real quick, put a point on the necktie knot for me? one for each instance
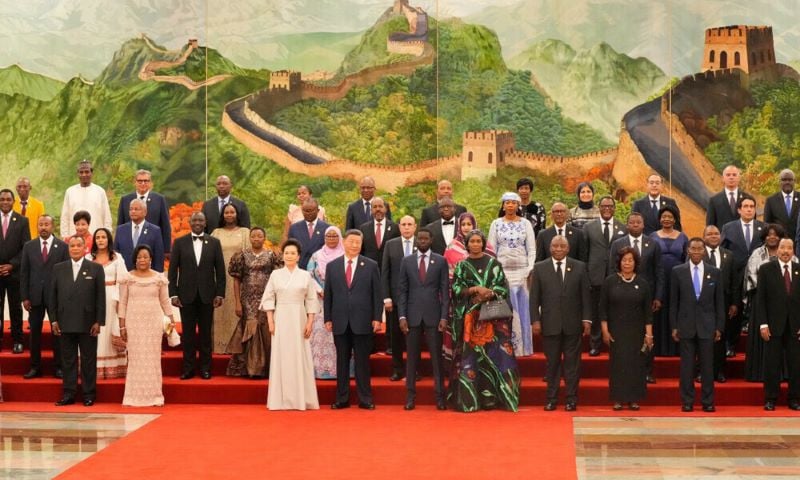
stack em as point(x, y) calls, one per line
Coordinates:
point(141, 197)
point(560, 232)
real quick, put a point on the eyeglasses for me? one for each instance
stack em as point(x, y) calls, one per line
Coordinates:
point(139, 180)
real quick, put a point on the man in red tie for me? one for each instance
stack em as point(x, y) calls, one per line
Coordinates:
point(353, 310)
point(377, 231)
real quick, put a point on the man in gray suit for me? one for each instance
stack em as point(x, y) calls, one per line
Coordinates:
point(422, 303)
point(78, 301)
point(697, 320)
point(600, 234)
point(561, 312)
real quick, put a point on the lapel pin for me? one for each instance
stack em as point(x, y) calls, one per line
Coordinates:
point(569, 269)
point(646, 245)
point(83, 273)
point(636, 287)
point(432, 261)
point(205, 241)
point(388, 228)
point(708, 277)
point(13, 219)
point(144, 232)
point(480, 270)
point(569, 232)
point(361, 264)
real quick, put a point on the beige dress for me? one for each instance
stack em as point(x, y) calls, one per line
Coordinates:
point(225, 319)
point(292, 295)
point(143, 302)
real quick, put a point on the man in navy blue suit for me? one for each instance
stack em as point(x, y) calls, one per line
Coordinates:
point(422, 304)
point(360, 211)
point(310, 231)
point(353, 310)
point(157, 207)
point(137, 232)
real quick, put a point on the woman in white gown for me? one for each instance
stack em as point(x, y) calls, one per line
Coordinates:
point(290, 301)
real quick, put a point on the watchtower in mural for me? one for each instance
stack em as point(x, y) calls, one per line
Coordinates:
point(284, 79)
point(483, 151)
point(749, 48)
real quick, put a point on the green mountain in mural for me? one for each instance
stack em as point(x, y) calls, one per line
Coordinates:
point(371, 50)
point(198, 68)
point(16, 80)
point(128, 61)
point(596, 86)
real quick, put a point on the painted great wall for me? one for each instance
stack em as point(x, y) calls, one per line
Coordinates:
point(149, 69)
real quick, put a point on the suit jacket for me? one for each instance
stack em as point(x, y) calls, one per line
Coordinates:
point(431, 213)
point(645, 207)
point(423, 303)
point(438, 243)
point(733, 240)
point(78, 304)
point(719, 209)
point(309, 245)
point(599, 246)
point(150, 236)
point(355, 216)
point(187, 279)
point(692, 316)
point(578, 248)
point(36, 276)
point(11, 244)
point(561, 307)
point(157, 214)
point(360, 304)
point(211, 211)
point(33, 210)
point(649, 264)
point(732, 289)
point(369, 247)
point(393, 254)
point(774, 306)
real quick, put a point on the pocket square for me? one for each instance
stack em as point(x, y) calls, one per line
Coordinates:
point(89, 277)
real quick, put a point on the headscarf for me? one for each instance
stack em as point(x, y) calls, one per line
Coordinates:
point(460, 236)
point(585, 205)
point(327, 254)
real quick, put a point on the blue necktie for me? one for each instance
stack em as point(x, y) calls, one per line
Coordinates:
point(696, 282)
point(407, 250)
point(788, 202)
point(747, 237)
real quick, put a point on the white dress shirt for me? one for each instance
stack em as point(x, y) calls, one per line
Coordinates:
point(76, 267)
point(197, 246)
point(448, 231)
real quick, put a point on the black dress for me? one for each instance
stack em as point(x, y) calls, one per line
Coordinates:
point(626, 308)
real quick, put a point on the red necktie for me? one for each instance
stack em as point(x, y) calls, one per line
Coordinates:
point(44, 252)
point(310, 230)
point(378, 237)
point(422, 272)
point(24, 209)
point(348, 273)
point(787, 279)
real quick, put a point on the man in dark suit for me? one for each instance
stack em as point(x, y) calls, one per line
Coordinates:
point(139, 232)
point(649, 205)
point(561, 311)
point(723, 207)
point(36, 277)
point(310, 231)
point(157, 208)
point(353, 310)
point(697, 320)
point(444, 227)
point(197, 287)
point(432, 213)
point(360, 211)
point(78, 310)
point(719, 257)
point(212, 208)
point(423, 301)
point(377, 231)
point(778, 317)
point(741, 237)
point(575, 236)
point(395, 250)
point(14, 233)
point(649, 268)
point(600, 233)
point(782, 207)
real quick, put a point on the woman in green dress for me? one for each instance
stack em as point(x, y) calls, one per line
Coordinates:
point(485, 374)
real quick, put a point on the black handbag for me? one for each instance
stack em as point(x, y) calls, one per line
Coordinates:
point(494, 310)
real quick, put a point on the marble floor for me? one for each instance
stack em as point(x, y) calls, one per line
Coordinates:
point(36, 445)
point(668, 448)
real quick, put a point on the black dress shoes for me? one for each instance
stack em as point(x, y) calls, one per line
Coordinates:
point(59, 374)
point(769, 406)
point(32, 373)
point(187, 375)
point(709, 408)
point(65, 401)
point(205, 375)
point(440, 405)
point(88, 402)
point(396, 377)
point(687, 408)
point(339, 405)
point(650, 379)
point(721, 378)
point(571, 406)
point(366, 406)
point(550, 406)
point(408, 406)
point(730, 353)
point(794, 405)
point(594, 352)
point(17, 348)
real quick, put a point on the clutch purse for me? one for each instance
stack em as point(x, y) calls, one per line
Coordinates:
point(494, 310)
point(173, 338)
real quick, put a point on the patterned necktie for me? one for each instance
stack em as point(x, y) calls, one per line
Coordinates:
point(378, 237)
point(221, 205)
point(310, 230)
point(422, 272)
point(44, 252)
point(24, 209)
point(367, 210)
point(5, 224)
point(732, 202)
point(696, 281)
point(747, 237)
point(407, 250)
point(713, 257)
point(787, 279)
point(136, 235)
point(636, 246)
point(348, 273)
point(787, 201)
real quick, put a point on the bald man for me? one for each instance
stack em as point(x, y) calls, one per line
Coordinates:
point(360, 211)
point(212, 208)
point(444, 189)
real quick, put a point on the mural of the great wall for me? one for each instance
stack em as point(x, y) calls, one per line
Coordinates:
point(408, 93)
